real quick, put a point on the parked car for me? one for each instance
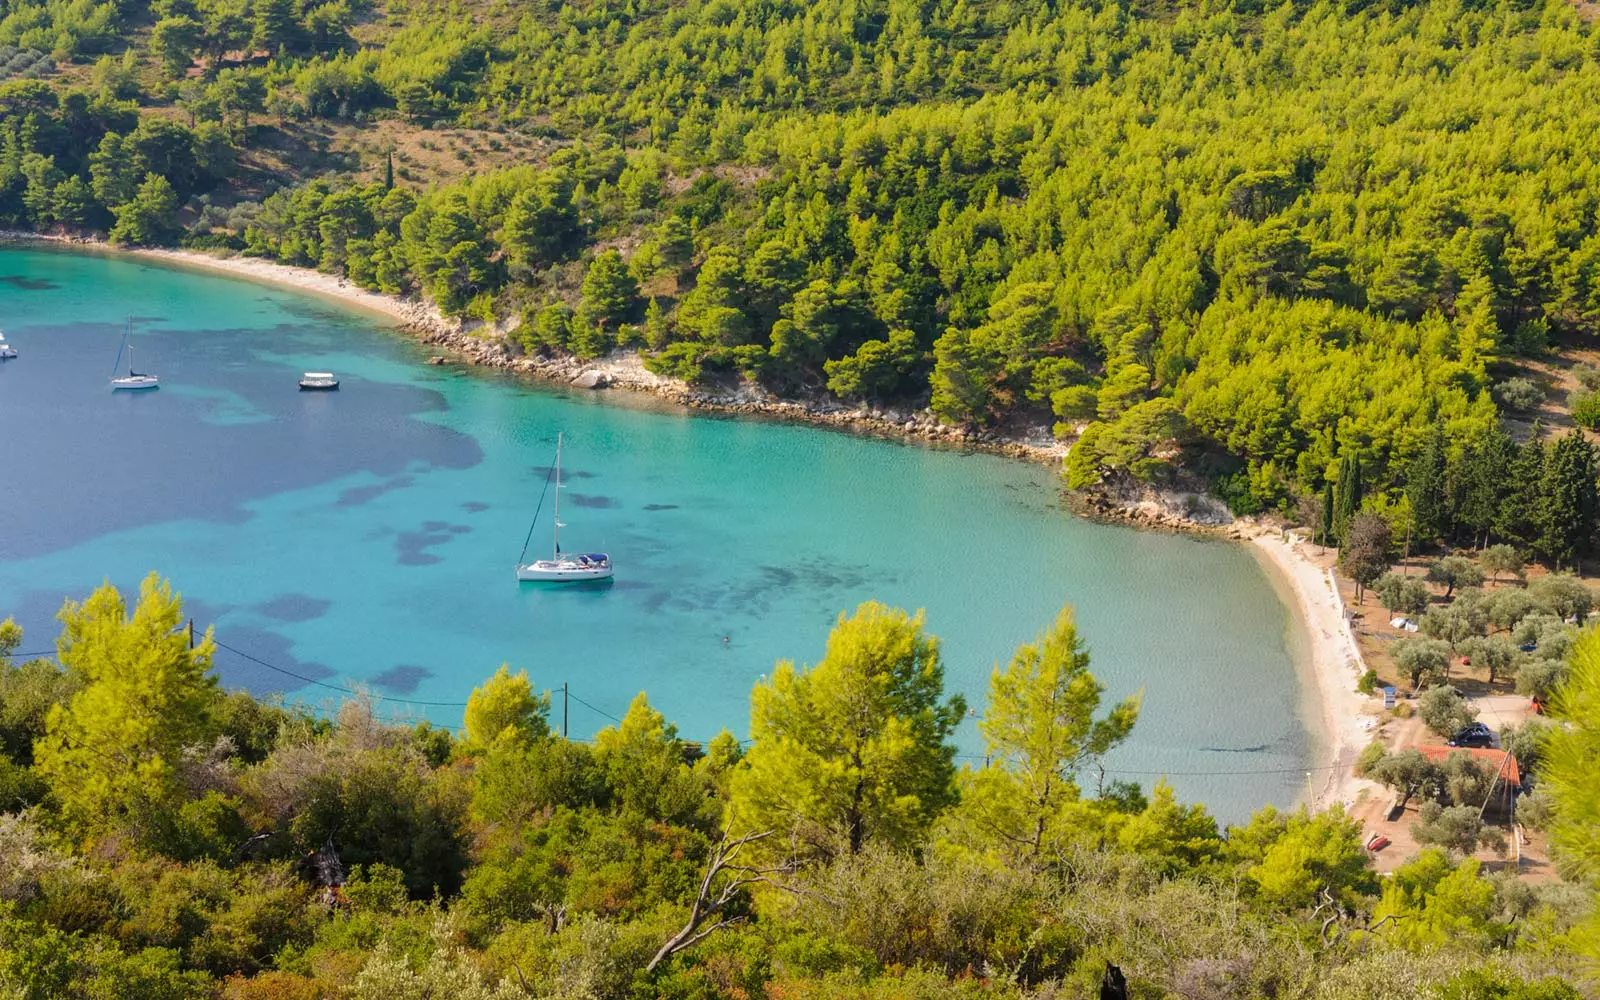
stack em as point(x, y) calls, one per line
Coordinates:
point(1475, 735)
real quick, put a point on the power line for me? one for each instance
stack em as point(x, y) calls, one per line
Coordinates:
point(597, 711)
point(335, 687)
point(1156, 772)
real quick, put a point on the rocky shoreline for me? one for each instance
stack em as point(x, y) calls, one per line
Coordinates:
point(625, 370)
point(487, 345)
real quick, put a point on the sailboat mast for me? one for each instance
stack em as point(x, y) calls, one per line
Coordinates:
point(557, 518)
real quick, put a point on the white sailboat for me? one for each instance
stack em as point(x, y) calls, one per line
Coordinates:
point(7, 352)
point(561, 567)
point(132, 380)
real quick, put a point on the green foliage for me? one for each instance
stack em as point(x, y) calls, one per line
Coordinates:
point(111, 753)
point(1571, 753)
point(1499, 560)
point(644, 765)
point(1040, 733)
point(520, 863)
point(1585, 409)
point(1444, 711)
point(1453, 572)
point(1292, 860)
point(1457, 828)
point(505, 708)
point(1422, 660)
point(1403, 595)
point(1519, 394)
point(1364, 549)
point(852, 750)
point(149, 217)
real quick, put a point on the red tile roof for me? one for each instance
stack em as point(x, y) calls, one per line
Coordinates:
point(1496, 759)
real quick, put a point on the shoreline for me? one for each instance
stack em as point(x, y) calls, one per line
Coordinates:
point(623, 370)
point(1331, 665)
point(1333, 710)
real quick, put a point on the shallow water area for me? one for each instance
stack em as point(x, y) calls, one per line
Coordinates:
point(370, 535)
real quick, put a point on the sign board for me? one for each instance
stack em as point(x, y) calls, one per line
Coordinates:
point(1388, 696)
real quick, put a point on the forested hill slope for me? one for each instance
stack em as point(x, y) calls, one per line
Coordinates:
point(1250, 240)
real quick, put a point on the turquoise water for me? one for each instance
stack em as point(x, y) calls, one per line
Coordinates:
point(370, 535)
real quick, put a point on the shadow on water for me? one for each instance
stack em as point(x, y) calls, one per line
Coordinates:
point(203, 470)
point(402, 679)
point(24, 284)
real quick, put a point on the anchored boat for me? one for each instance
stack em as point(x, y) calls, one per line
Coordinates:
point(132, 380)
point(561, 567)
point(318, 382)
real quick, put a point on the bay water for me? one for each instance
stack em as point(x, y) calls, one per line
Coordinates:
point(368, 537)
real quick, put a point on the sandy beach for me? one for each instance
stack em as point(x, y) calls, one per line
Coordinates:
point(407, 312)
point(1346, 718)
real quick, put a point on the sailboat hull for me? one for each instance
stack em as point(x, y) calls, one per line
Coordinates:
point(135, 382)
point(547, 571)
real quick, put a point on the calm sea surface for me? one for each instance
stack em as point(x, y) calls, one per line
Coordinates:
point(370, 535)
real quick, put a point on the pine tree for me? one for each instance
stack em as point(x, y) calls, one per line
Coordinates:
point(111, 754)
point(1041, 732)
point(273, 24)
point(852, 751)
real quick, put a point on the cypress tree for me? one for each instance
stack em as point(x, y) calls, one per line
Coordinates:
point(1425, 486)
point(1347, 493)
point(1327, 514)
point(1483, 477)
point(1516, 517)
point(388, 171)
point(1566, 511)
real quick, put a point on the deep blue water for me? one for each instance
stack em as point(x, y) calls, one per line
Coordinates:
point(370, 535)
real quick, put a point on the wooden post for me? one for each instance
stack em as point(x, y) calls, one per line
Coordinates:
point(563, 709)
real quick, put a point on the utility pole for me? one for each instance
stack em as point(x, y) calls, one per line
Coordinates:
point(563, 709)
point(191, 633)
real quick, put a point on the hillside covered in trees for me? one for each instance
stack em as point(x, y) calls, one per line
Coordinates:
point(161, 838)
point(1244, 240)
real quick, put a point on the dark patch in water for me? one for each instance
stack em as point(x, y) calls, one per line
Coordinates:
point(235, 671)
point(545, 470)
point(294, 608)
point(244, 463)
point(358, 495)
point(1255, 749)
point(402, 679)
point(660, 506)
point(591, 500)
point(772, 584)
point(474, 507)
point(26, 284)
point(411, 547)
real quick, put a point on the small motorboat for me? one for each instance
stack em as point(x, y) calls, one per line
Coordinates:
point(7, 352)
point(318, 382)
